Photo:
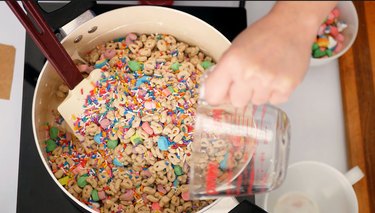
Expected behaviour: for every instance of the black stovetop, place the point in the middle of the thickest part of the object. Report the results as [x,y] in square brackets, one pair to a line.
[37,192]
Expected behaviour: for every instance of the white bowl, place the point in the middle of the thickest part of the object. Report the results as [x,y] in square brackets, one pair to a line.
[349,15]
[315,185]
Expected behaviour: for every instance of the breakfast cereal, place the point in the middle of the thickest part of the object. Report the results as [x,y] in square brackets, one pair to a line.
[137,127]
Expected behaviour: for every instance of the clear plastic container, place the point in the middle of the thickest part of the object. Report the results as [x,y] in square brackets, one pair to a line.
[238,152]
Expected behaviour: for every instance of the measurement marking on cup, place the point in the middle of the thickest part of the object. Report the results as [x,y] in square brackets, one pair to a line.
[239,182]
[239,179]
[262,154]
[236,139]
[252,175]
[212,173]
[252,164]
[230,172]
[209,125]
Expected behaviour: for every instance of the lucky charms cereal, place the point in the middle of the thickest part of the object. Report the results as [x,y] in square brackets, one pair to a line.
[330,39]
[136,151]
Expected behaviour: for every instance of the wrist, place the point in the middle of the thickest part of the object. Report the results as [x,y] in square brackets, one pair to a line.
[306,17]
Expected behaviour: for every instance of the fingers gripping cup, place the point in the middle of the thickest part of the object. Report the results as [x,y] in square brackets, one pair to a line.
[238,152]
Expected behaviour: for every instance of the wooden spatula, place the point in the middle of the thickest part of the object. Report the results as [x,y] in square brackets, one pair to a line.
[52,49]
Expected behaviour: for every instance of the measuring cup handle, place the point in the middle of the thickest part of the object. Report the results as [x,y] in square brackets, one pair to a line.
[354,175]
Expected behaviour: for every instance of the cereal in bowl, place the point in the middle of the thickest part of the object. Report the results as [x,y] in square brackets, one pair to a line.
[137,127]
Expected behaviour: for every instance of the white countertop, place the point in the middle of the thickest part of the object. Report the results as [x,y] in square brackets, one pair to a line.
[315,111]
[12,33]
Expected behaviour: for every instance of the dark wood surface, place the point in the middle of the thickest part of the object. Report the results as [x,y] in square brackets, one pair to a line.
[357,73]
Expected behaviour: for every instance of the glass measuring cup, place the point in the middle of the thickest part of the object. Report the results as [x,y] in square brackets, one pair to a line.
[238,152]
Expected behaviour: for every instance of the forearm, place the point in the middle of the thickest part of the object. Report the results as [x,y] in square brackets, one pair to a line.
[306,15]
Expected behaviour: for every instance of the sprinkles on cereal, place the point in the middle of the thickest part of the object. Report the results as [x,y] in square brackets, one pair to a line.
[137,127]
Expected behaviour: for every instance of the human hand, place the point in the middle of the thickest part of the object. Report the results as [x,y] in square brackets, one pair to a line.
[265,63]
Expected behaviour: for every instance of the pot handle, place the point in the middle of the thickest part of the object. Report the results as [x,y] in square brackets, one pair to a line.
[59,17]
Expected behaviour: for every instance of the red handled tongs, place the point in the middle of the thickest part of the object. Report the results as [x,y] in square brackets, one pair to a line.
[72,106]
[43,36]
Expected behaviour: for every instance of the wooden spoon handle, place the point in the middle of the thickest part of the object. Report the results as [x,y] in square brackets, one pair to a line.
[47,42]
